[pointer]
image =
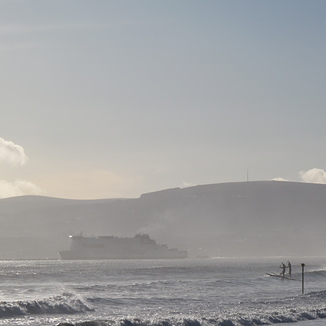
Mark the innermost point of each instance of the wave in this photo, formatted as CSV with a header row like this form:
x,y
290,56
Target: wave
x,y
61,304
316,273
135,301
239,320
311,307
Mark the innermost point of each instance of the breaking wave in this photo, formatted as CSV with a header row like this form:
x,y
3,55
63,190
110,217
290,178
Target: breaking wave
x,y
239,320
310,307
61,304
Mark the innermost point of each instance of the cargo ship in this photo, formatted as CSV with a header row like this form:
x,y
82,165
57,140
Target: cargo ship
x,y
141,246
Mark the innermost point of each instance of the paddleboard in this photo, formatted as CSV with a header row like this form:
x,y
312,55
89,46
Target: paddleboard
x,y
280,276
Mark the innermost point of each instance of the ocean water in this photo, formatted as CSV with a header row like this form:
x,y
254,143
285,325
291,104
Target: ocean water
x,y
188,292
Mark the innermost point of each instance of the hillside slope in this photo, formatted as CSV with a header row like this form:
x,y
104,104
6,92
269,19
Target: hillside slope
x,y
231,219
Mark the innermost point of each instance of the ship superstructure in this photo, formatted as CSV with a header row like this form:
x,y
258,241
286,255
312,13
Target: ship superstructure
x,y
141,246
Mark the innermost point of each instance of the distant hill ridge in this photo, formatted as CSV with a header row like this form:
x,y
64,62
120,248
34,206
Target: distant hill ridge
x,y
257,218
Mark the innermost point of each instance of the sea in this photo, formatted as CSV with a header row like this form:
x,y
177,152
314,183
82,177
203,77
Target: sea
x,y
186,292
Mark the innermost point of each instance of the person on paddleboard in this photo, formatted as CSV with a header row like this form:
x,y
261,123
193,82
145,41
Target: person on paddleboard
x,y
283,267
289,268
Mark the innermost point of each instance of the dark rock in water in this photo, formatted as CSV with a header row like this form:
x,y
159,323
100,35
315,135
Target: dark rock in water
x,y
65,324
126,322
227,323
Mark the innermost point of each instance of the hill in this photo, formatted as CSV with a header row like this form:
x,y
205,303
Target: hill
x,y
228,219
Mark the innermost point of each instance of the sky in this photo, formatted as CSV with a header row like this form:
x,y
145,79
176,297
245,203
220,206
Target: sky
x,y
111,99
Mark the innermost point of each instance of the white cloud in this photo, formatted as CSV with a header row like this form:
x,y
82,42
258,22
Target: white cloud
x,y
12,153
188,184
18,188
279,179
313,176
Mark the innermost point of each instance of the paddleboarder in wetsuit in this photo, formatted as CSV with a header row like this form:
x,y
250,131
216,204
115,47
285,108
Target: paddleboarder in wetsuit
x,y
290,268
283,269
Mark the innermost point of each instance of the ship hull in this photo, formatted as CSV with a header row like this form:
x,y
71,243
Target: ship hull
x,y
108,247
69,255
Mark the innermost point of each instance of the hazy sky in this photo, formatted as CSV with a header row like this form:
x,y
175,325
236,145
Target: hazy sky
x,y
104,98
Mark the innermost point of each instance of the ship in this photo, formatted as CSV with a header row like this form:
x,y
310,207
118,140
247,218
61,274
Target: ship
x,y
141,246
